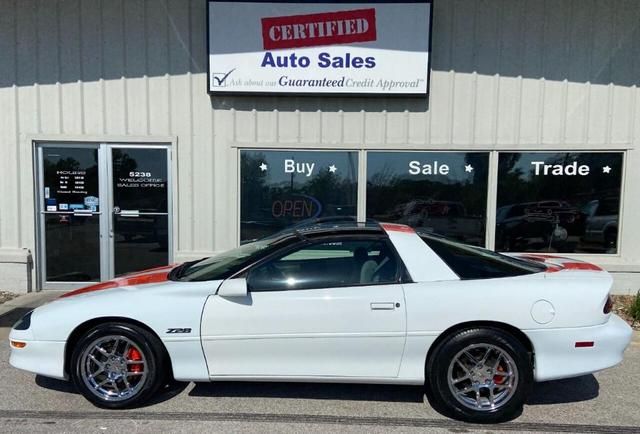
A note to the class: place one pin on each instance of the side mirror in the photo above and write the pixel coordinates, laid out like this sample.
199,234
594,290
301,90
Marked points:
233,288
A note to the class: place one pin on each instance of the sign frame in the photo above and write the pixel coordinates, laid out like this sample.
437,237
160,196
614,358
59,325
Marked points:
408,94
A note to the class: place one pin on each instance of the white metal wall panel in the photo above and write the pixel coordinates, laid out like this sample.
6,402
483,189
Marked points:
506,74
70,67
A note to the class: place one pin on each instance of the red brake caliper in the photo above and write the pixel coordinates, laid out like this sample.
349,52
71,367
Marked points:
499,379
134,355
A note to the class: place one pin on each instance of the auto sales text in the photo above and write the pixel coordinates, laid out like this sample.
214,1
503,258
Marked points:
325,60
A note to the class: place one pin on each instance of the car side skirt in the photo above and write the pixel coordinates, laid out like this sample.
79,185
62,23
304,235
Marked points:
320,379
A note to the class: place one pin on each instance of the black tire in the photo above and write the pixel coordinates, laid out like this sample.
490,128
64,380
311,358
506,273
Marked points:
151,350
439,391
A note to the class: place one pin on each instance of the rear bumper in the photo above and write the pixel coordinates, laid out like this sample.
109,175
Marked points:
40,357
557,357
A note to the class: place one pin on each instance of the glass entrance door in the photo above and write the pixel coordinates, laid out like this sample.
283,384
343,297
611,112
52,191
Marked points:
70,213
140,208
103,211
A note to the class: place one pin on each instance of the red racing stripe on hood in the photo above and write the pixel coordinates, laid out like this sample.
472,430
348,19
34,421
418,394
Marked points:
152,275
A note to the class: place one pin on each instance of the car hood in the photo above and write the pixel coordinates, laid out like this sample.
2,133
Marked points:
152,275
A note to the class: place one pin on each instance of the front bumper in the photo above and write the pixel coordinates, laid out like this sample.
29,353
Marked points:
40,357
556,355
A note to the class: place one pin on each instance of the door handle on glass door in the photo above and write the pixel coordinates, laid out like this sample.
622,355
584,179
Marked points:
383,306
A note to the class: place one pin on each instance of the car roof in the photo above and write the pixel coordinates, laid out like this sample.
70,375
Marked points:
315,230
340,228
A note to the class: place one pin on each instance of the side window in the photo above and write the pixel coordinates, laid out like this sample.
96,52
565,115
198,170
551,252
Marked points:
339,262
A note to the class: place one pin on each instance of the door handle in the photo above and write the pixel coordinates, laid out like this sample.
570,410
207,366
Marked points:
129,213
383,306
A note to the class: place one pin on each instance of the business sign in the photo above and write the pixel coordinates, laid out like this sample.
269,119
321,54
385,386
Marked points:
319,48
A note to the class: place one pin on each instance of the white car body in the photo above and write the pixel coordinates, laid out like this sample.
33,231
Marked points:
370,334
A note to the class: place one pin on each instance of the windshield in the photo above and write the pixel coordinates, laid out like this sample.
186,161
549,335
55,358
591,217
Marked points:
225,264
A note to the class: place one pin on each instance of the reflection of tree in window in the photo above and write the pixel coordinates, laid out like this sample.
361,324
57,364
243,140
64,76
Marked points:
130,191
253,188
70,159
123,163
453,205
557,213
272,200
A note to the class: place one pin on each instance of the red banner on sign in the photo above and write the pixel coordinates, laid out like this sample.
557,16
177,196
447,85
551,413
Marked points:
312,30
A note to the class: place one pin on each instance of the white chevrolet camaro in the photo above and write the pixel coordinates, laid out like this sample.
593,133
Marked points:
369,303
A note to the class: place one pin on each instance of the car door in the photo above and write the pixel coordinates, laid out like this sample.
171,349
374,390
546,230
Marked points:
329,308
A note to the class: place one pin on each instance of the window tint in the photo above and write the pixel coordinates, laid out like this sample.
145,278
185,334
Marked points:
565,202
284,188
326,264
470,262
439,192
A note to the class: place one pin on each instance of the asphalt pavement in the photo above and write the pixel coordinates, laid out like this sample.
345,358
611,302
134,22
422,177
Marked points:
606,402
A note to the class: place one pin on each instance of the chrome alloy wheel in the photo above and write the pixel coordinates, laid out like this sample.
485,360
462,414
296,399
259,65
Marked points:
482,377
113,368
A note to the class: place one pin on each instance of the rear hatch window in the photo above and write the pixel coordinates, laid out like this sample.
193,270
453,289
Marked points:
471,262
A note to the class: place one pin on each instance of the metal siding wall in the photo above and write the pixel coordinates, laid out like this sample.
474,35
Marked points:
506,74
8,128
180,114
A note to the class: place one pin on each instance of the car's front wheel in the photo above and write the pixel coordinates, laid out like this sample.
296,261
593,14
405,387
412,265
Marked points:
117,365
480,375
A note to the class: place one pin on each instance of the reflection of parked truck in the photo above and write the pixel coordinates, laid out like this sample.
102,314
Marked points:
535,225
602,222
440,216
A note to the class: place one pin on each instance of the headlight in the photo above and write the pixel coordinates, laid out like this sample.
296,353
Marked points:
23,323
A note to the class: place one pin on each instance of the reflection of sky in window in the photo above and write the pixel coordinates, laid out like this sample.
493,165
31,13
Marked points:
147,160
397,164
85,157
525,167
346,164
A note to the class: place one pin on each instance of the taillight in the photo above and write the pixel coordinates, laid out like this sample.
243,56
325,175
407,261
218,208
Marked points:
608,305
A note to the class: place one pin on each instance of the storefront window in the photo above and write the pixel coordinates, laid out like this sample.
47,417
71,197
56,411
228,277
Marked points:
558,202
285,188
441,192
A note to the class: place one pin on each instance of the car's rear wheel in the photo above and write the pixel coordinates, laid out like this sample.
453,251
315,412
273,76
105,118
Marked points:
117,365
480,375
